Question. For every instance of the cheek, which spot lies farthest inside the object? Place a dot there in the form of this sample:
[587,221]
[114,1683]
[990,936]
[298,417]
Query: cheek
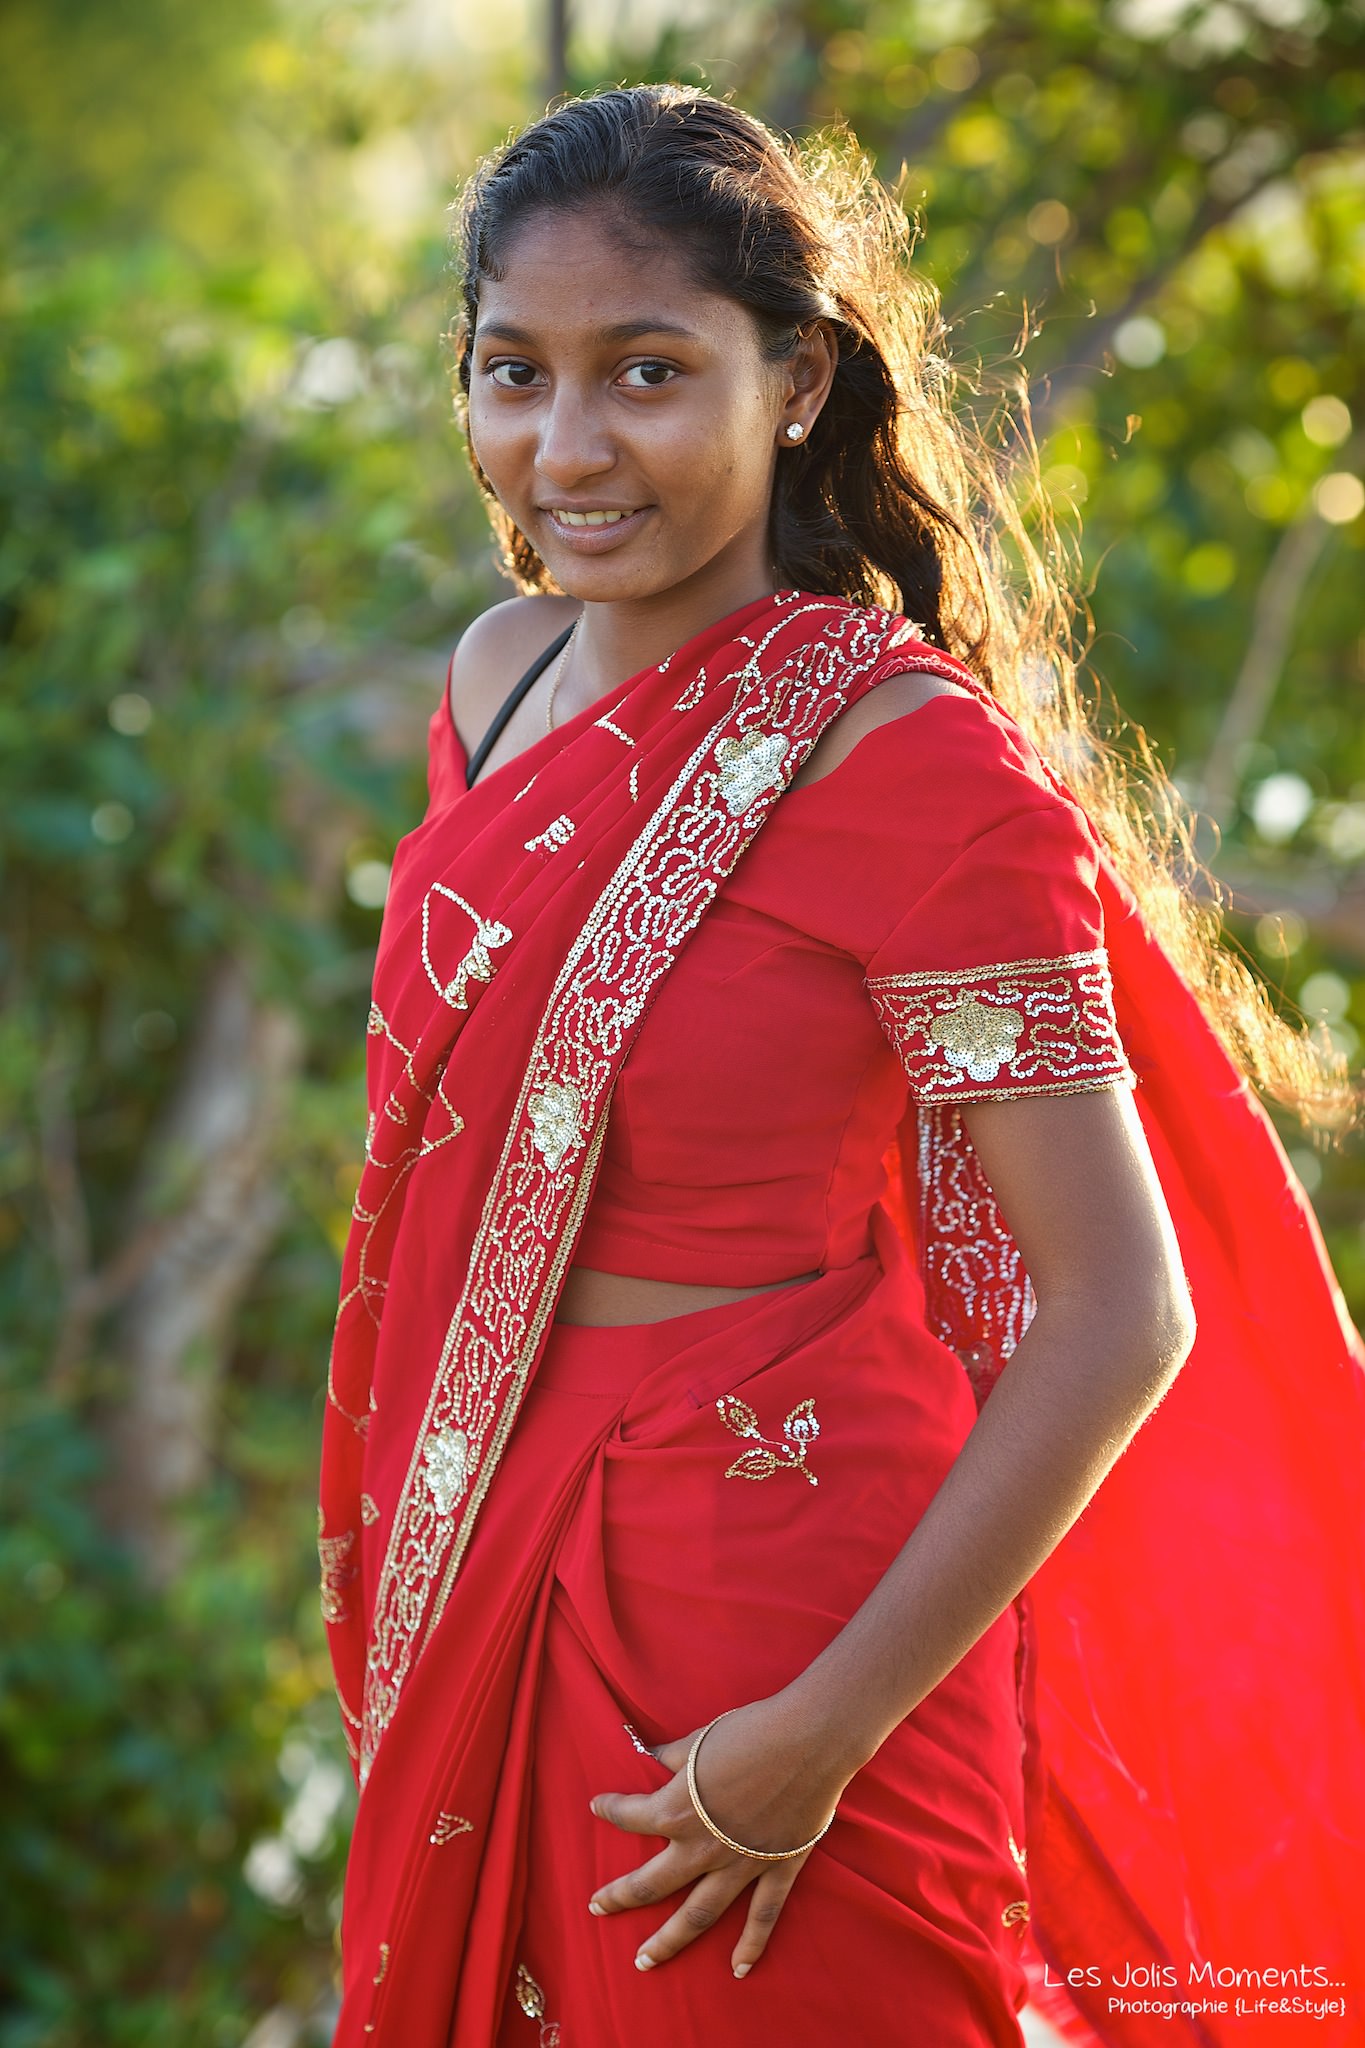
[491,435]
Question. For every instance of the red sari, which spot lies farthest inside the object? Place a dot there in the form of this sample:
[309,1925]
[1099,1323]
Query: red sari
[629,1009]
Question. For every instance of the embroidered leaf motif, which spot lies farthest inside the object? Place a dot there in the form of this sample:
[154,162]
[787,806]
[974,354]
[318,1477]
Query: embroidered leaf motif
[737,1415]
[760,1464]
[801,1427]
[800,1430]
[530,1997]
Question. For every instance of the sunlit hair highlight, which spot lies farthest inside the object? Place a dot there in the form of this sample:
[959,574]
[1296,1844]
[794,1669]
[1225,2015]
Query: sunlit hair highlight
[906,494]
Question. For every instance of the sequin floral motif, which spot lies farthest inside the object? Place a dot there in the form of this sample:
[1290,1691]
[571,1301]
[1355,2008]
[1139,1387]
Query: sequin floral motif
[748,766]
[799,1430]
[557,1120]
[446,1456]
[976,1038]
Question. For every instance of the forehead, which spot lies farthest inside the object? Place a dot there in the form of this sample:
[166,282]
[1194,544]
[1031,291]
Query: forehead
[580,278]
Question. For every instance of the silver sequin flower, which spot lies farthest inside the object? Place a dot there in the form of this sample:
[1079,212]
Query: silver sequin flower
[446,1457]
[557,1121]
[747,767]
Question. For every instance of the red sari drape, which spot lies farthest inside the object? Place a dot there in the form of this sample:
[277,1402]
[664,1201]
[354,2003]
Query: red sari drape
[502,1497]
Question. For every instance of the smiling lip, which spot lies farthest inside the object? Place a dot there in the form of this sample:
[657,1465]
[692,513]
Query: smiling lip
[595,539]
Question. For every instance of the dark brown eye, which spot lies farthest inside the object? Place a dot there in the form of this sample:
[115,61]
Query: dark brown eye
[519,375]
[660,371]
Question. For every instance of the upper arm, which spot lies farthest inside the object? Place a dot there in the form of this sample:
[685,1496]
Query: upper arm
[1078,1188]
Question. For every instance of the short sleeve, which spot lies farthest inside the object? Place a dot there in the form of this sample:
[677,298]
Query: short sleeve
[996,982]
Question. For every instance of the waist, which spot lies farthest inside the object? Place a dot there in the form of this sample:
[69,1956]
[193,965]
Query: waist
[600,1360]
[610,1300]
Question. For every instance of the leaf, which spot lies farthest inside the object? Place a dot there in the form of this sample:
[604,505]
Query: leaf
[756,1464]
[737,1415]
[801,1426]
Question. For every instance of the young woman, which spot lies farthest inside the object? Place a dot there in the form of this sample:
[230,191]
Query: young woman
[795,1172]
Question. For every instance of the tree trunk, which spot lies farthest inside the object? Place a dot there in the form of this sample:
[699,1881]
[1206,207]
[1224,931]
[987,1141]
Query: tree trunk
[207,1193]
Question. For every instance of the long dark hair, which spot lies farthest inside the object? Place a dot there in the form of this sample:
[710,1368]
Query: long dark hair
[899,497]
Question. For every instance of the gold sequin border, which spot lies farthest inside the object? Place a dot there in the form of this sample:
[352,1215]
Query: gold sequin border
[1067,995]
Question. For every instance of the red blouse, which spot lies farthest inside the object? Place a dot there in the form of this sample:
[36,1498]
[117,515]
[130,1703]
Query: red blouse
[786,1032]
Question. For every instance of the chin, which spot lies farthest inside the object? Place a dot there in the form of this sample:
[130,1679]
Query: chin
[605,582]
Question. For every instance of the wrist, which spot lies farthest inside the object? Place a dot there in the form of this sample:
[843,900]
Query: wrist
[838,1732]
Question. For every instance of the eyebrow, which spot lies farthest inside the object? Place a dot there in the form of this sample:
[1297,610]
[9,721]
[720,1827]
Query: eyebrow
[622,330]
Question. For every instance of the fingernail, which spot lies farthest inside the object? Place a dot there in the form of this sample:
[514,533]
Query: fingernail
[743,1969]
[643,1962]
[592,1809]
[600,1911]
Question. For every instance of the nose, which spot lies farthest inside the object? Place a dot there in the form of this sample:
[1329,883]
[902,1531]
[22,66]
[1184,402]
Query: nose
[574,442]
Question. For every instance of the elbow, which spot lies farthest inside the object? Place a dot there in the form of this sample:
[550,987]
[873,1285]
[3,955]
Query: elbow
[1163,1330]
[1173,1330]
[1149,1329]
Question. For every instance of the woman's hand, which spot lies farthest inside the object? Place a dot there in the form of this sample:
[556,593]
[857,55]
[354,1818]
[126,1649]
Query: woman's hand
[769,1782]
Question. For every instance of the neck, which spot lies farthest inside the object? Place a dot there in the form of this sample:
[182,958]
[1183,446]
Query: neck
[618,638]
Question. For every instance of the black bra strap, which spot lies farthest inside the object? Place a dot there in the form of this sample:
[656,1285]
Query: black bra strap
[538,666]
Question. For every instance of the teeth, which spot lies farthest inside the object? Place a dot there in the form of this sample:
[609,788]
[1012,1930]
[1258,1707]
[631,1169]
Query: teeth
[589,518]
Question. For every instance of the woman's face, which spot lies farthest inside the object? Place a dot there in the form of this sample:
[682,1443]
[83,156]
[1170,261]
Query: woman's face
[602,380]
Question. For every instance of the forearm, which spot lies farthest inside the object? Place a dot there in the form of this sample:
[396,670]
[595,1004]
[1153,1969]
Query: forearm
[1062,1412]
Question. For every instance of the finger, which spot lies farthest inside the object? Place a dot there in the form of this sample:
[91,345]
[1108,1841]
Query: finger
[701,1909]
[636,1813]
[673,1755]
[770,1895]
[655,1880]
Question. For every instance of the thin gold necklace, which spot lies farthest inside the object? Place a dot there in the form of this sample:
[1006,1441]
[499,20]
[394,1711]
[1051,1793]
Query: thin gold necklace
[558,674]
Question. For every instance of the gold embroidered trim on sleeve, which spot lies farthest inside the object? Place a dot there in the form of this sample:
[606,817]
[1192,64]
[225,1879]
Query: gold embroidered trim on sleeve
[1016,1027]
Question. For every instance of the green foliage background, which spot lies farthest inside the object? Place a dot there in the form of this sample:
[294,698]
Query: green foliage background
[239,541]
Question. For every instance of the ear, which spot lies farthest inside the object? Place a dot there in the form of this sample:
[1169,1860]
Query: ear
[810,373]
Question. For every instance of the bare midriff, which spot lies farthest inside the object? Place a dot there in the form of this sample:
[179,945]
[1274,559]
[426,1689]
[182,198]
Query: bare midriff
[608,1299]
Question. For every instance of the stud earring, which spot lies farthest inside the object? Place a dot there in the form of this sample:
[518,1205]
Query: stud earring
[795,431]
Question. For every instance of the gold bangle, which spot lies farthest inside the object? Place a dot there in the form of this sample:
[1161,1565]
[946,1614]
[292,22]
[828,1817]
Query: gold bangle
[760,1855]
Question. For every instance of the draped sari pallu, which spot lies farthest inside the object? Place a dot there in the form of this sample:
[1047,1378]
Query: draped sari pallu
[526,1574]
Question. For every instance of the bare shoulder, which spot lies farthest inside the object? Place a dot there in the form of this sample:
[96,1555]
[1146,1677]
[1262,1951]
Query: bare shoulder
[894,697]
[494,650]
